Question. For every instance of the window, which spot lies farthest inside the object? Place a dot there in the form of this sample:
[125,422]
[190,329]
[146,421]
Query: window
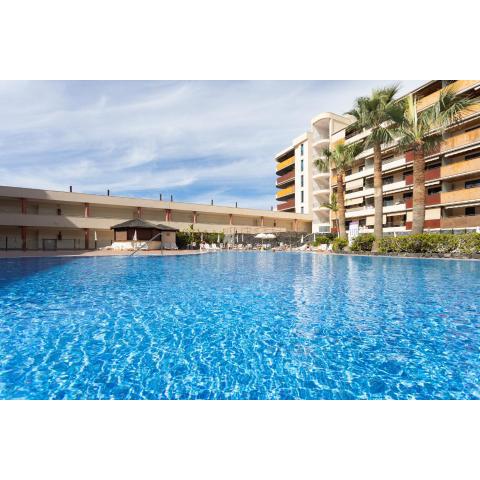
[301,150]
[348,172]
[361,167]
[470,156]
[405,174]
[431,166]
[469,211]
[434,190]
[301,180]
[59,211]
[301,209]
[301,165]
[387,201]
[407,195]
[301,196]
[473,183]
[388,180]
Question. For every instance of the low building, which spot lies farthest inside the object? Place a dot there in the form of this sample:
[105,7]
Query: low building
[37,219]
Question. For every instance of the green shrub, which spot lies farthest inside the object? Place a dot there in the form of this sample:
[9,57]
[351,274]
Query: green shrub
[363,242]
[467,243]
[339,244]
[186,238]
[321,240]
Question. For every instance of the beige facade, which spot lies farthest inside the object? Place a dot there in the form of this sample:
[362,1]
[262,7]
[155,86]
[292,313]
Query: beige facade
[452,177]
[43,219]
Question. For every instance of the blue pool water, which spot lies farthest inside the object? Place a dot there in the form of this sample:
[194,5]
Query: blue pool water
[239,326]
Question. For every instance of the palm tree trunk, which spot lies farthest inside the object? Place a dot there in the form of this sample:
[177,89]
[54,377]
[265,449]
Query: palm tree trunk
[418,191]
[377,195]
[341,205]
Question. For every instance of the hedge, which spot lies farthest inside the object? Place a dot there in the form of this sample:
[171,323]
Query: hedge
[321,240]
[363,242]
[467,243]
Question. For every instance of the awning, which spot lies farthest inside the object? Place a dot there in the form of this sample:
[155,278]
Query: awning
[462,150]
[471,204]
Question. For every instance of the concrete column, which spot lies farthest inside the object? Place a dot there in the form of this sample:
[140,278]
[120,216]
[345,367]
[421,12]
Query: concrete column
[231,219]
[87,240]
[24,238]
[86,211]
[295,225]
[23,206]
[139,212]
[262,221]
[194,217]
[168,215]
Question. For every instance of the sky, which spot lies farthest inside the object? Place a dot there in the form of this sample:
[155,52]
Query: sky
[196,140]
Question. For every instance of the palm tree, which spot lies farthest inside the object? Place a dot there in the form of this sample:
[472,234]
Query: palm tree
[333,206]
[340,157]
[422,132]
[379,114]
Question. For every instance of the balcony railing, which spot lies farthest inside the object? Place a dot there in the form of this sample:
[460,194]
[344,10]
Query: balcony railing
[460,140]
[287,178]
[430,174]
[457,168]
[285,192]
[286,163]
[286,205]
[434,199]
[458,196]
[460,221]
[458,86]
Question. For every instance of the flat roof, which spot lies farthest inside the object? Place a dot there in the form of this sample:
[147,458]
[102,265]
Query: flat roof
[120,201]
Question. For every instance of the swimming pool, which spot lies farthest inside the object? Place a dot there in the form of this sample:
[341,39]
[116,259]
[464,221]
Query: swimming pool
[239,326]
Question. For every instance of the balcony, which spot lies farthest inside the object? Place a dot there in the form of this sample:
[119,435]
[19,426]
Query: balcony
[428,224]
[459,168]
[286,206]
[459,196]
[360,212]
[285,192]
[434,199]
[430,174]
[398,207]
[360,193]
[394,186]
[460,140]
[321,191]
[458,86]
[285,164]
[461,221]
[286,178]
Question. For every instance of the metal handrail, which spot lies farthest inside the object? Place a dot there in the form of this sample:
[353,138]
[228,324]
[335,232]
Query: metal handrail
[148,241]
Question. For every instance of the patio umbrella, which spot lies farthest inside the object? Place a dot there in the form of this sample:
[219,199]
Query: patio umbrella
[135,236]
[301,240]
[218,238]
[269,235]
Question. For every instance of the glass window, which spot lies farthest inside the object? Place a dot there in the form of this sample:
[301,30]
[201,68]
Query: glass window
[473,183]
[388,180]
[301,209]
[434,190]
[470,211]
[348,172]
[301,149]
[301,196]
[387,201]
[301,165]
[470,156]
[301,180]
[408,195]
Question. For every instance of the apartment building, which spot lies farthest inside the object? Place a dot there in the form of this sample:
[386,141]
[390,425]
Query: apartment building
[452,179]
[301,186]
[44,219]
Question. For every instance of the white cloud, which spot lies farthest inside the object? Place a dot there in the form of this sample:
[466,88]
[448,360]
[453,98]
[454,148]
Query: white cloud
[190,137]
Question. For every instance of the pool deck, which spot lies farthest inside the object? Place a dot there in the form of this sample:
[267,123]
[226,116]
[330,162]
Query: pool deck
[93,253]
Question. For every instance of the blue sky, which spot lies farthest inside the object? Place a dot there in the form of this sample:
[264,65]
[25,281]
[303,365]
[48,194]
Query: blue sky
[197,140]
